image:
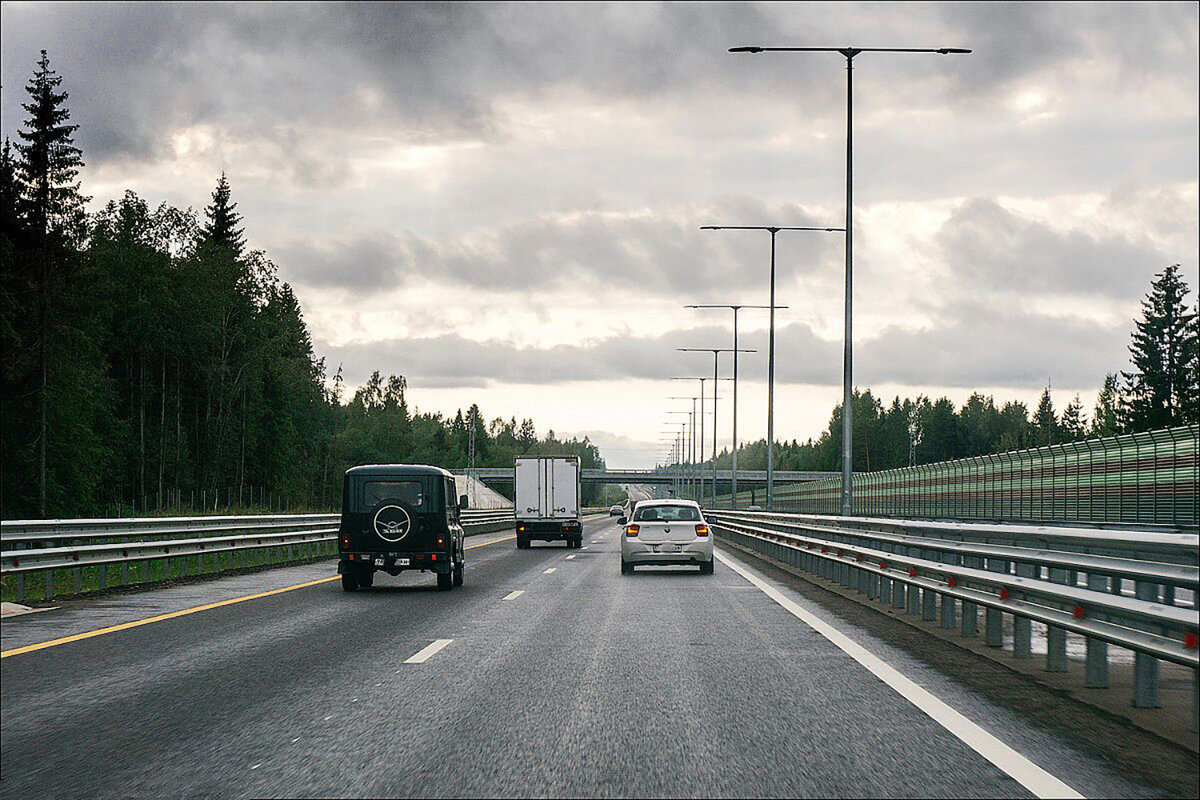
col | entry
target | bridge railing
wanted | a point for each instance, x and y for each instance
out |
(77, 555)
(1148, 477)
(1132, 589)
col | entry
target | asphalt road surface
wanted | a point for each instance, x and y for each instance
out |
(547, 674)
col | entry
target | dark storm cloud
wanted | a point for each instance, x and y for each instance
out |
(987, 346)
(990, 248)
(653, 252)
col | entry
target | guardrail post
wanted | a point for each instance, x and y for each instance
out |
(20, 589)
(1022, 626)
(145, 571)
(948, 601)
(1096, 672)
(49, 590)
(1145, 667)
(914, 599)
(928, 605)
(1056, 637)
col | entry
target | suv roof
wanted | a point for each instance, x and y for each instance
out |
(392, 469)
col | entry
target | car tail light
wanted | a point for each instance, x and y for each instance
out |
(632, 530)
(702, 530)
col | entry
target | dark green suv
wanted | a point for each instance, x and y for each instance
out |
(397, 517)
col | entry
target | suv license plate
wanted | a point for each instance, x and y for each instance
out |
(379, 562)
(401, 562)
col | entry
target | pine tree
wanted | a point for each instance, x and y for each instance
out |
(1164, 351)
(1045, 423)
(1106, 420)
(52, 207)
(1074, 426)
(223, 226)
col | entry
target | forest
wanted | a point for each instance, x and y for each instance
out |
(151, 361)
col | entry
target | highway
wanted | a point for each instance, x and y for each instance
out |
(548, 674)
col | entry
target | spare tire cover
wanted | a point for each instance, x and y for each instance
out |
(393, 519)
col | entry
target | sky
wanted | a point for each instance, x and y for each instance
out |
(503, 202)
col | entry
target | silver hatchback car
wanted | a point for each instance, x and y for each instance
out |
(666, 532)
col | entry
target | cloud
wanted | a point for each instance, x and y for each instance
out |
(659, 252)
(984, 346)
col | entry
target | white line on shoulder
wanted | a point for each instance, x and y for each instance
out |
(1016, 766)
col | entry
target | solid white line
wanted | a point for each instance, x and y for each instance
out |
(423, 655)
(548, 571)
(514, 595)
(1016, 766)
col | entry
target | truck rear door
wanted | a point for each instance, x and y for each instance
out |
(565, 472)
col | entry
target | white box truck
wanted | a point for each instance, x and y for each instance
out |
(547, 500)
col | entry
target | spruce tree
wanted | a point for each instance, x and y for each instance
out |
(1074, 426)
(52, 207)
(1106, 420)
(223, 225)
(1045, 423)
(1164, 351)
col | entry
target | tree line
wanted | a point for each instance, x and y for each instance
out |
(151, 359)
(1162, 390)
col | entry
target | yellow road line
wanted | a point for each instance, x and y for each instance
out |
(16, 651)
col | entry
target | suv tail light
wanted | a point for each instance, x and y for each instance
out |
(632, 530)
(702, 530)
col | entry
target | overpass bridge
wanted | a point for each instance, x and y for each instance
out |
(747, 478)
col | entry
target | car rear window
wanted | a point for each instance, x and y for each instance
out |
(668, 514)
(376, 492)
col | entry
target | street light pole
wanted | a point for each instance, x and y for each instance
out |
(773, 229)
(716, 351)
(736, 308)
(847, 356)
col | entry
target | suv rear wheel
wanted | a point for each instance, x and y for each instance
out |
(445, 581)
(458, 573)
(349, 582)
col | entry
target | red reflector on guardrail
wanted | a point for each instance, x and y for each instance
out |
(951, 581)
(1004, 594)
(1189, 641)
(858, 556)
(16, 562)
(883, 565)
(824, 549)
(1077, 612)
(912, 572)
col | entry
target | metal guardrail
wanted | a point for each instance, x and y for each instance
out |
(1148, 477)
(51, 546)
(1112, 587)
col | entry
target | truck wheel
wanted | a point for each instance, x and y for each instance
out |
(349, 582)
(458, 573)
(445, 581)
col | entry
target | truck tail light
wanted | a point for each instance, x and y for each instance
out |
(702, 530)
(632, 530)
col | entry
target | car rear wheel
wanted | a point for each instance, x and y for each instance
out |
(706, 568)
(626, 569)
(349, 582)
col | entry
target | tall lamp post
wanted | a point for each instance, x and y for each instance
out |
(736, 309)
(847, 358)
(693, 399)
(690, 437)
(773, 229)
(716, 351)
(702, 396)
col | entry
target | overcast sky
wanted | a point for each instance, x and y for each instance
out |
(502, 202)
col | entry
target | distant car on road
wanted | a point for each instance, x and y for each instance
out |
(666, 532)
(397, 517)
(616, 511)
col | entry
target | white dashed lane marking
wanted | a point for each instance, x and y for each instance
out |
(570, 557)
(548, 571)
(514, 595)
(423, 655)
